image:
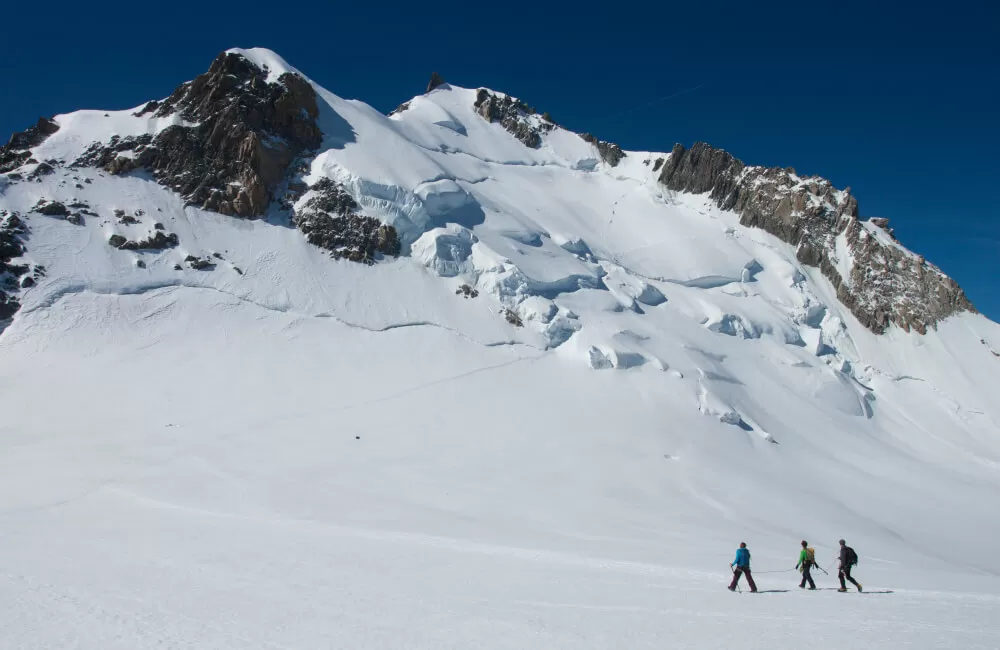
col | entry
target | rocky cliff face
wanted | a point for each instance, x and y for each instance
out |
(248, 132)
(14, 275)
(329, 219)
(880, 282)
(17, 151)
(514, 115)
(611, 153)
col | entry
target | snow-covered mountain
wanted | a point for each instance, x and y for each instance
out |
(257, 338)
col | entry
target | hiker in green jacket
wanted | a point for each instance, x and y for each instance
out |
(807, 559)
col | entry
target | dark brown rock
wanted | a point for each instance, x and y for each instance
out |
(159, 240)
(435, 82)
(199, 263)
(513, 317)
(51, 208)
(329, 220)
(17, 150)
(399, 109)
(611, 153)
(249, 131)
(148, 108)
(513, 115)
(13, 276)
(883, 223)
(887, 285)
(43, 169)
(8, 306)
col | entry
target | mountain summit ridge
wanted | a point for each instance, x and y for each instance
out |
(243, 123)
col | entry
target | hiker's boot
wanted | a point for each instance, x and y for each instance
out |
(731, 588)
(842, 589)
(859, 586)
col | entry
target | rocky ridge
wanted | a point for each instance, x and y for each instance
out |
(247, 132)
(885, 285)
(610, 152)
(519, 119)
(17, 151)
(243, 134)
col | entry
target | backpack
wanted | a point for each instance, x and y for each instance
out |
(852, 557)
(811, 555)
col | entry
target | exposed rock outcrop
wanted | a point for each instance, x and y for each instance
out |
(885, 285)
(435, 81)
(611, 153)
(883, 223)
(159, 240)
(514, 115)
(17, 150)
(248, 132)
(119, 155)
(13, 277)
(43, 169)
(329, 219)
(51, 208)
(512, 317)
(405, 106)
(199, 263)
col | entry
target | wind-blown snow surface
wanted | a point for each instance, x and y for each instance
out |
(311, 453)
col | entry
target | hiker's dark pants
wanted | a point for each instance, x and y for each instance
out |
(807, 576)
(736, 578)
(845, 572)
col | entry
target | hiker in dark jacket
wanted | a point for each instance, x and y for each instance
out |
(807, 558)
(740, 566)
(848, 558)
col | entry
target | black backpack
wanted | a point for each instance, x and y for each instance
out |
(852, 557)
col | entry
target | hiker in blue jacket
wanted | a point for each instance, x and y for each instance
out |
(740, 566)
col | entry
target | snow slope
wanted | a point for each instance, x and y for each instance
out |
(288, 451)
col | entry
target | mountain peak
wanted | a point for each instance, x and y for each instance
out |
(240, 138)
(265, 59)
(435, 82)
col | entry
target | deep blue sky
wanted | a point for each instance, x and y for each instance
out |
(898, 101)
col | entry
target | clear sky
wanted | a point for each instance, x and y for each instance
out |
(899, 101)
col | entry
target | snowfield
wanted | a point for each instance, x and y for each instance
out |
(288, 451)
